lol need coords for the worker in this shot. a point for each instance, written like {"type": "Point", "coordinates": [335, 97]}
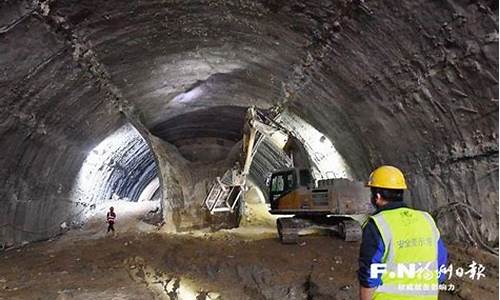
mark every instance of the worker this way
{"type": "Point", "coordinates": [110, 219]}
{"type": "Point", "coordinates": [401, 251]}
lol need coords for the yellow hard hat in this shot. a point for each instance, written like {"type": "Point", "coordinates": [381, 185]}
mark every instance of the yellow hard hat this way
{"type": "Point", "coordinates": [387, 177]}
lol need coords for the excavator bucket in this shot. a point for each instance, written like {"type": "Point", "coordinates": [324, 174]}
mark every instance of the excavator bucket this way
{"type": "Point", "coordinates": [224, 194]}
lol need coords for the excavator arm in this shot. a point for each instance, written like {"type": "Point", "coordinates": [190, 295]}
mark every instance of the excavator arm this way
{"type": "Point", "coordinates": [227, 190]}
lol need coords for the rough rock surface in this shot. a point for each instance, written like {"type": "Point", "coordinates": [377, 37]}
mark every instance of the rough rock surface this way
{"type": "Point", "coordinates": [225, 266]}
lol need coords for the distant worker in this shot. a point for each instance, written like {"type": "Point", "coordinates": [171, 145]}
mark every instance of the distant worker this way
{"type": "Point", "coordinates": [110, 219]}
{"type": "Point", "coordinates": [401, 250]}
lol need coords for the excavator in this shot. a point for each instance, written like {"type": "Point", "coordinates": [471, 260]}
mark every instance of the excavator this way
{"type": "Point", "coordinates": [335, 204]}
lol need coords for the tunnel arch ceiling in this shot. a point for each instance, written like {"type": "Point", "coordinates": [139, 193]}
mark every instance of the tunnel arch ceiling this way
{"type": "Point", "coordinates": [411, 83]}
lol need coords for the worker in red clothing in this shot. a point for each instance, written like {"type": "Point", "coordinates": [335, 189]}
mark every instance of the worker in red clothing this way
{"type": "Point", "coordinates": [110, 219]}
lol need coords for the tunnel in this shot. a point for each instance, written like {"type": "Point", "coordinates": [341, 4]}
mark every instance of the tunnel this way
{"type": "Point", "coordinates": [103, 99]}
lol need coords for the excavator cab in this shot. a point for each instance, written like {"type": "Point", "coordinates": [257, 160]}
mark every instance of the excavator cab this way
{"type": "Point", "coordinates": [286, 181]}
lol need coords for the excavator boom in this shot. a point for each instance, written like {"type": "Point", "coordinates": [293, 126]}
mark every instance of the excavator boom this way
{"type": "Point", "coordinates": [228, 190]}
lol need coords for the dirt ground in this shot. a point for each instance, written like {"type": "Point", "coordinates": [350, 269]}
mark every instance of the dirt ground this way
{"type": "Point", "coordinates": [140, 262]}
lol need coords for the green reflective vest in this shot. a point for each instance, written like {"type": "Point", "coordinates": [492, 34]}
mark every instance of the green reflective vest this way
{"type": "Point", "coordinates": [411, 268]}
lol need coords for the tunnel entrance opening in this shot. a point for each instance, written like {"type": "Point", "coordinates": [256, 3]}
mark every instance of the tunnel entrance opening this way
{"type": "Point", "coordinates": [121, 172]}
{"type": "Point", "coordinates": [307, 148]}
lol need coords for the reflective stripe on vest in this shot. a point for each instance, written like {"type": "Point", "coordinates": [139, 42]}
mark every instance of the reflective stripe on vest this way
{"type": "Point", "coordinates": [410, 238]}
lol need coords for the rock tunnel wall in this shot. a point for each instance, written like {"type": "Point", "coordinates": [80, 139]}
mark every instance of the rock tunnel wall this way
{"type": "Point", "coordinates": [52, 114]}
{"type": "Point", "coordinates": [409, 83]}
{"type": "Point", "coordinates": [423, 97]}
{"type": "Point", "coordinates": [268, 158]}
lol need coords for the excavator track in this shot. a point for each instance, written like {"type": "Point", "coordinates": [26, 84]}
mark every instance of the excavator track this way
{"type": "Point", "coordinates": [288, 230]}
{"type": "Point", "coordinates": [350, 230]}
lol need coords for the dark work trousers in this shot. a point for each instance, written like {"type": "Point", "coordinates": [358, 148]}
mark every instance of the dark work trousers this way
{"type": "Point", "coordinates": [110, 226]}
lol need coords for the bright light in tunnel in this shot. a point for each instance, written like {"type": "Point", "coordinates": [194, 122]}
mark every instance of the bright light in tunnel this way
{"type": "Point", "coordinates": [189, 96]}
{"type": "Point", "coordinates": [99, 158]}
{"type": "Point", "coordinates": [327, 161]}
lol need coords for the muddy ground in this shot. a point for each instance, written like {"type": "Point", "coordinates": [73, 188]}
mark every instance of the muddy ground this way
{"type": "Point", "coordinates": [140, 262]}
